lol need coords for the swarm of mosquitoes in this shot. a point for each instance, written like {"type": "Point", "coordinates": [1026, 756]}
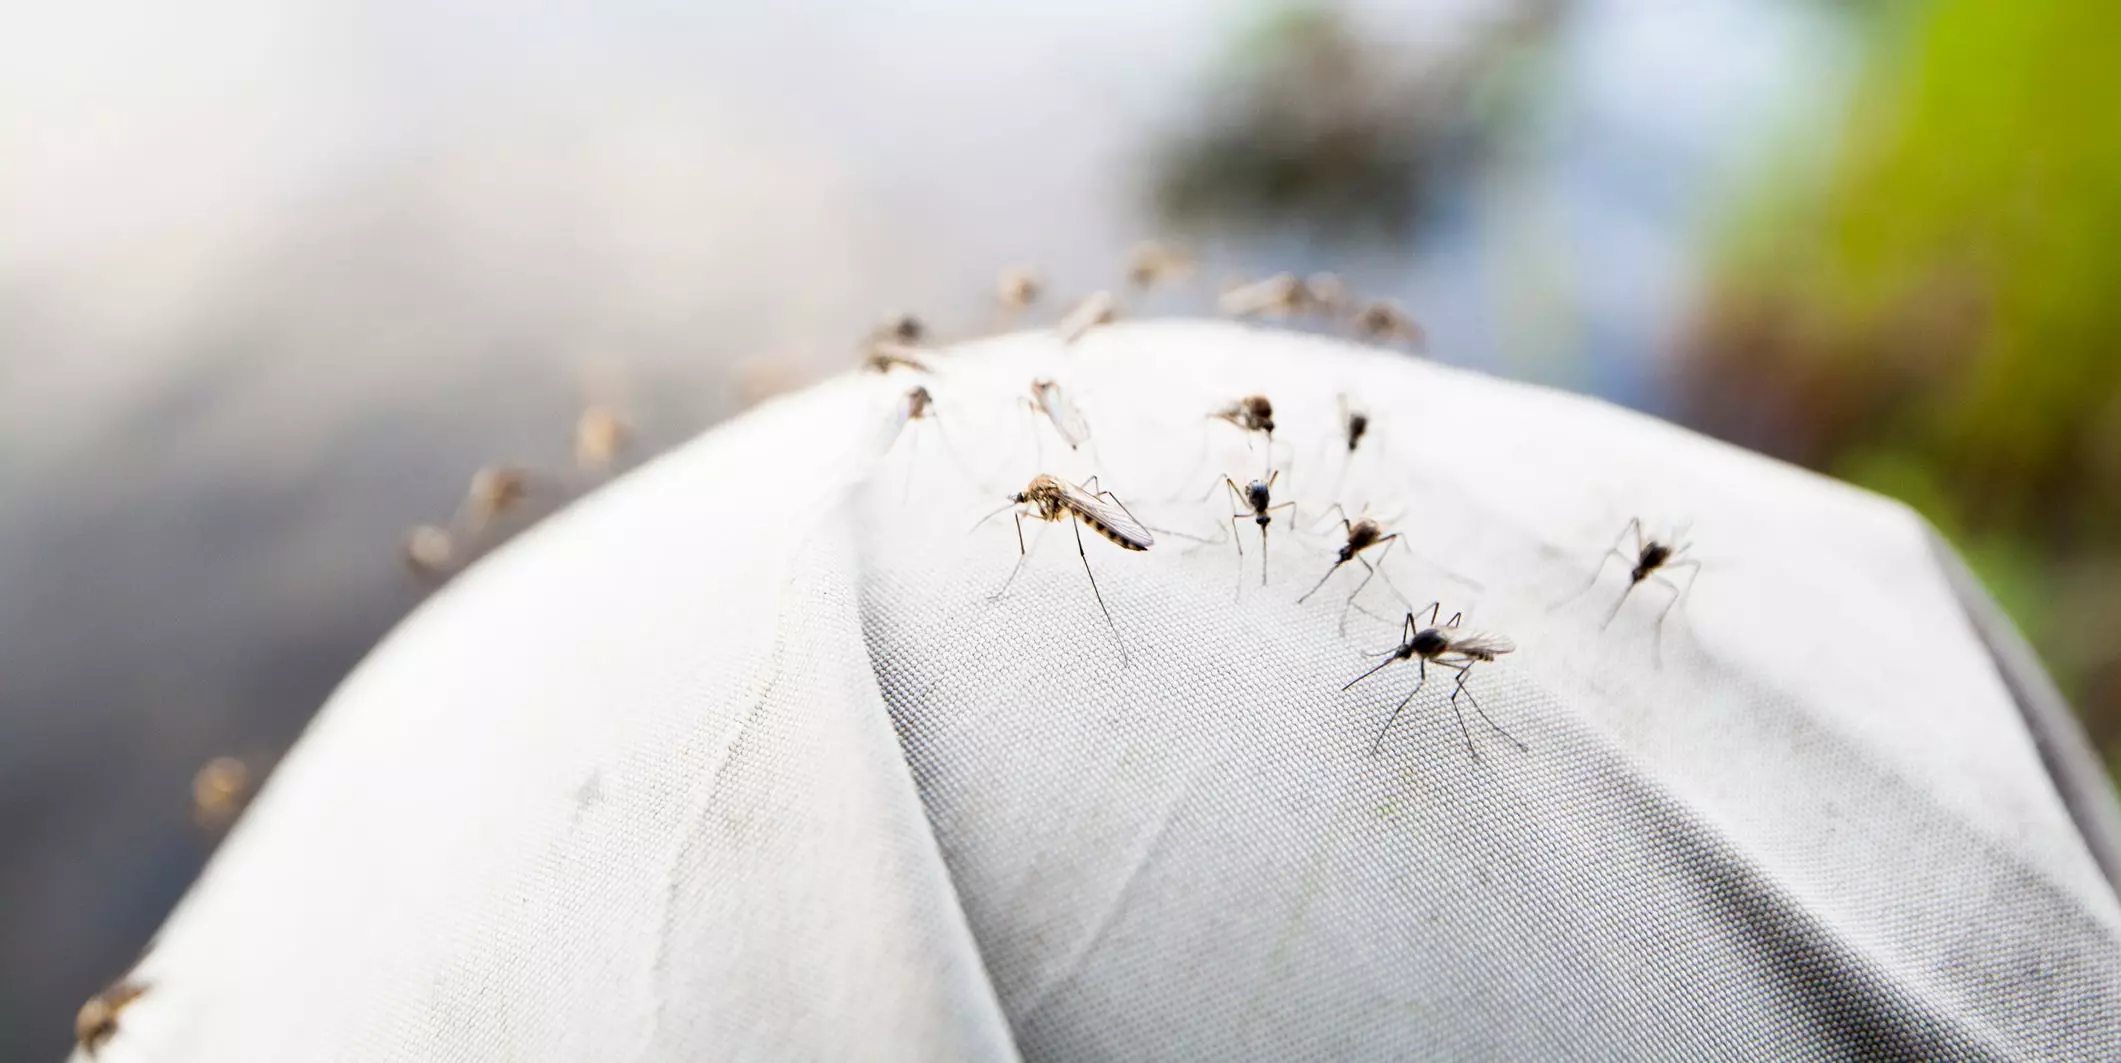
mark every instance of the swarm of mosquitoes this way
{"type": "Point", "coordinates": [1365, 540]}
{"type": "Point", "coordinates": [898, 344]}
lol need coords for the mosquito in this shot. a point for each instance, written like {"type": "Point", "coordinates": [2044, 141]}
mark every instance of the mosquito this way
{"type": "Point", "coordinates": [903, 328]}
{"type": "Point", "coordinates": [884, 356]}
{"type": "Point", "coordinates": [599, 435]}
{"type": "Point", "coordinates": [97, 1021]}
{"type": "Point", "coordinates": [1096, 309]}
{"type": "Point", "coordinates": [1653, 558]}
{"type": "Point", "coordinates": [1049, 498]}
{"type": "Point", "coordinates": [1385, 321]}
{"type": "Point", "coordinates": [1256, 500]}
{"type": "Point", "coordinates": [1253, 413]}
{"type": "Point", "coordinates": [1017, 288]}
{"type": "Point", "coordinates": [1362, 535]}
{"type": "Point", "coordinates": [1324, 294]}
{"type": "Point", "coordinates": [1048, 398]}
{"type": "Point", "coordinates": [1150, 263]}
{"type": "Point", "coordinates": [917, 405]}
{"type": "Point", "coordinates": [428, 550]}
{"type": "Point", "coordinates": [1448, 646]}
{"type": "Point", "coordinates": [1278, 296]}
{"type": "Point", "coordinates": [218, 791]}
{"type": "Point", "coordinates": [1354, 424]}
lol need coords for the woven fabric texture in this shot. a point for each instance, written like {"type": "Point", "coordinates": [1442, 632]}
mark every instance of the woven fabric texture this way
{"type": "Point", "coordinates": [738, 759]}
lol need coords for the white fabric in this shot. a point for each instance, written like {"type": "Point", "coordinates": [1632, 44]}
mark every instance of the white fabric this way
{"type": "Point", "coordinates": [737, 760]}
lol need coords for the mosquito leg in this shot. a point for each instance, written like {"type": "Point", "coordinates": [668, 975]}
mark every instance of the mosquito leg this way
{"type": "Point", "coordinates": [1678, 594]}
{"type": "Point", "coordinates": [1693, 570]}
{"type": "Point", "coordinates": [1262, 555]}
{"type": "Point", "coordinates": [1403, 702]}
{"type": "Point", "coordinates": [1022, 554]}
{"type": "Point", "coordinates": [1389, 542]}
{"type": "Point", "coordinates": [1634, 526]}
{"type": "Point", "coordinates": [906, 492]}
{"type": "Point", "coordinates": [1489, 720]}
{"type": "Point", "coordinates": [1344, 521]}
{"type": "Point", "coordinates": [1609, 617]}
{"type": "Point", "coordinates": [1461, 716]}
{"type": "Point", "coordinates": [1077, 524]}
{"type": "Point", "coordinates": [1114, 499]}
{"type": "Point", "coordinates": [1374, 572]}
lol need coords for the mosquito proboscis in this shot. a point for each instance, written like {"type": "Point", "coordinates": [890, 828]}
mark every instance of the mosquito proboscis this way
{"type": "Point", "coordinates": [1052, 499]}
{"type": "Point", "coordinates": [1448, 646]}
{"type": "Point", "coordinates": [1653, 558]}
{"type": "Point", "coordinates": [1256, 500]}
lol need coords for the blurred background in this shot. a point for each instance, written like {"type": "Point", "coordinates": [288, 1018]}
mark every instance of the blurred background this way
{"type": "Point", "coordinates": [277, 278]}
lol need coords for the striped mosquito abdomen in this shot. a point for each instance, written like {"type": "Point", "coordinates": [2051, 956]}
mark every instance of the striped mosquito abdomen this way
{"type": "Point", "coordinates": [1052, 500]}
{"type": "Point", "coordinates": [1106, 530]}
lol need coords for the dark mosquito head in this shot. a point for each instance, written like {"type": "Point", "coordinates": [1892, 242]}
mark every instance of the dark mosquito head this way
{"type": "Point", "coordinates": [1428, 642]}
{"type": "Point", "coordinates": [1358, 423]}
{"type": "Point", "coordinates": [1653, 557]}
{"type": "Point", "coordinates": [905, 328]}
{"type": "Point", "coordinates": [1019, 498]}
{"type": "Point", "coordinates": [1259, 413]}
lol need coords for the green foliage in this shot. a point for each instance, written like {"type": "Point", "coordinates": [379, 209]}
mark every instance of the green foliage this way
{"type": "Point", "coordinates": [1937, 318]}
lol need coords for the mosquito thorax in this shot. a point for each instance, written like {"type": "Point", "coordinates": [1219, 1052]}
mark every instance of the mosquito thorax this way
{"type": "Point", "coordinates": [1653, 556]}
{"type": "Point", "coordinates": [1428, 642]}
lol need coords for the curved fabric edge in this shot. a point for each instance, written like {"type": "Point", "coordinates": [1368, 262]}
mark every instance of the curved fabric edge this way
{"type": "Point", "coordinates": [2074, 767]}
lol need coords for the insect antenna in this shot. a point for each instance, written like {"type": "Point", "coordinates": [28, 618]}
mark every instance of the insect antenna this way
{"type": "Point", "coordinates": [1006, 507]}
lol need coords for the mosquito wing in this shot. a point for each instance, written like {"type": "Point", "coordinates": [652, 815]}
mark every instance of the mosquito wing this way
{"type": "Point", "coordinates": [1067, 420]}
{"type": "Point", "coordinates": [1108, 517]}
{"type": "Point", "coordinates": [1478, 644]}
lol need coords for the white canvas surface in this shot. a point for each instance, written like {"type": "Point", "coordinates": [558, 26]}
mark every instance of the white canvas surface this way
{"type": "Point", "coordinates": [737, 759]}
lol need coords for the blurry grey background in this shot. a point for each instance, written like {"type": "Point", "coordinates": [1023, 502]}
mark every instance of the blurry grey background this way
{"type": "Point", "coordinates": [275, 278]}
